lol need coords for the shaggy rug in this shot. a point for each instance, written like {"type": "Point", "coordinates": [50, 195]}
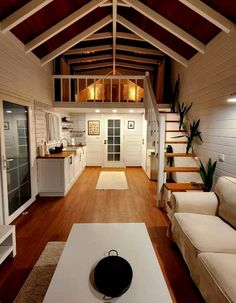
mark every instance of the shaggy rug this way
{"type": "Point", "coordinates": [112, 180]}
{"type": "Point", "coordinates": [36, 285]}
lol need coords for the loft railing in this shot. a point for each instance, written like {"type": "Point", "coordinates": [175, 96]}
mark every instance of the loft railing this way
{"type": "Point", "coordinates": [87, 89]}
{"type": "Point", "coordinates": [156, 127]}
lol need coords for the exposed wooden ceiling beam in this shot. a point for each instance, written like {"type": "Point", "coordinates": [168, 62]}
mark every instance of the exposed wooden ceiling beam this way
{"type": "Point", "coordinates": [139, 50]}
{"type": "Point", "coordinates": [135, 66]}
{"type": "Point", "coordinates": [128, 71]}
{"type": "Point", "coordinates": [109, 3]}
{"type": "Point", "coordinates": [210, 14]}
{"type": "Point", "coordinates": [88, 50]}
{"type": "Point", "coordinates": [99, 36]}
{"type": "Point", "coordinates": [128, 36]}
{"type": "Point", "coordinates": [152, 40]}
{"type": "Point", "coordinates": [60, 26]}
{"type": "Point", "coordinates": [106, 64]}
{"type": "Point", "coordinates": [166, 24]}
{"type": "Point", "coordinates": [22, 14]}
{"type": "Point", "coordinates": [114, 16]}
{"type": "Point", "coordinates": [92, 66]}
{"type": "Point", "coordinates": [89, 31]}
{"type": "Point", "coordinates": [89, 59]}
{"type": "Point", "coordinates": [137, 59]}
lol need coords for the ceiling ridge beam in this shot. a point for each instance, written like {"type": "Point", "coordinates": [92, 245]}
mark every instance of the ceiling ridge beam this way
{"type": "Point", "coordinates": [89, 59]}
{"type": "Point", "coordinates": [98, 36]}
{"type": "Point", "coordinates": [22, 14]}
{"type": "Point", "coordinates": [114, 16]}
{"type": "Point", "coordinates": [150, 39]}
{"type": "Point", "coordinates": [80, 37]}
{"type": "Point", "coordinates": [210, 14]}
{"type": "Point", "coordinates": [87, 50]}
{"type": "Point", "coordinates": [137, 59]}
{"type": "Point", "coordinates": [167, 25]}
{"type": "Point", "coordinates": [119, 3]}
{"type": "Point", "coordinates": [139, 50]}
{"type": "Point", "coordinates": [60, 26]}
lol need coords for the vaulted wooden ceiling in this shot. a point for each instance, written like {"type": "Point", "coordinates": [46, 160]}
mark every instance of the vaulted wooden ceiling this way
{"type": "Point", "coordinates": [116, 34]}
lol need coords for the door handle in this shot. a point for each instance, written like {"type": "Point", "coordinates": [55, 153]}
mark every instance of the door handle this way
{"type": "Point", "coordinates": [4, 163]}
{"type": "Point", "coordinates": [105, 141]}
{"type": "Point", "coordinates": [10, 160]}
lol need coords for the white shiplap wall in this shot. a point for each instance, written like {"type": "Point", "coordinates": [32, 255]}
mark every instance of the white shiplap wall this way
{"type": "Point", "coordinates": [24, 81]}
{"type": "Point", "coordinates": [207, 82]}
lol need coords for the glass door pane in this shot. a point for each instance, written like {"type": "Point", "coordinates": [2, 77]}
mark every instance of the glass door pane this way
{"type": "Point", "coordinates": [113, 140]}
{"type": "Point", "coordinates": [17, 155]}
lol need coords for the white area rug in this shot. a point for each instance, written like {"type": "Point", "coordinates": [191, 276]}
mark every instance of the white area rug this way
{"type": "Point", "coordinates": [112, 180]}
{"type": "Point", "coordinates": [36, 285]}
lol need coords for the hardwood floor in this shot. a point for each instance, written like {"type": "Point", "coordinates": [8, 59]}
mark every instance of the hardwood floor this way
{"type": "Point", "coordinates": [50, 219]}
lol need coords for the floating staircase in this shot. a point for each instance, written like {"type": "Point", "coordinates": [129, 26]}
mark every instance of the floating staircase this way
{"type": "Point", "coordinates": [179, 155]}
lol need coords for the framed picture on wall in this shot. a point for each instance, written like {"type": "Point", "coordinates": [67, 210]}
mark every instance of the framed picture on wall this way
{"type": "Point", "coordinates": [6, 125]}
{"type": "Point", "coordinates": [131, 124]}
{"type": "Point", "coordinates": [93, 127]}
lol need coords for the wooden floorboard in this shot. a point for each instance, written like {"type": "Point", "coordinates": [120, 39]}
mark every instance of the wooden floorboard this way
{"type": "Point", "coordinates": [50, 219]}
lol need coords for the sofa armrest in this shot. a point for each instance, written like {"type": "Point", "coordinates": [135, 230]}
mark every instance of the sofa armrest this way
{"type": "Point", "coordinates": [204, 203]}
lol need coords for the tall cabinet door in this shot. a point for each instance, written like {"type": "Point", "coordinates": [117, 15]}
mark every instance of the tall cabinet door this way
{"type": "Point", "coordinates": [15, 159]}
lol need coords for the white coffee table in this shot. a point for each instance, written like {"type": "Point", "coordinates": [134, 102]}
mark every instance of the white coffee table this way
{"type": "Point", "coordinates": [89, 243]}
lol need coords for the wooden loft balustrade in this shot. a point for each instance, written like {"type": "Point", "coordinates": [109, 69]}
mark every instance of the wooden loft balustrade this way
{"type": "Point", "coordinates": [98, 89]}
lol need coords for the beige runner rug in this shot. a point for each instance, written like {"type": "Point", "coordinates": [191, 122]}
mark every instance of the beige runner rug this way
{"type": "Point", "coordinates": [36, 285]}
{"type": "Point", "coordinates": [112, 180]}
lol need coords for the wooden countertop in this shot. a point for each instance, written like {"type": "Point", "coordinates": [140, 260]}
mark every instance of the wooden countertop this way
{"type": "Point", "coordinates": [62, 155]}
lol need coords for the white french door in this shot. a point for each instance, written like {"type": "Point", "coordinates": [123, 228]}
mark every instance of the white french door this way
{"type": "Point", "coordinates": [113, 142]}
{"type": "Point", "coordinates": [15, 159]}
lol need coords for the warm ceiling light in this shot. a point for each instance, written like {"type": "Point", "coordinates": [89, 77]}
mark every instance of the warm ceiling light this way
{"type": "Point", "coordinates": [131, 111]}
{"type": "Point", "coordinates": [232, 98]}
{"type": "Point", "coordinates": [114, 111]}
{"type": "Point", "coordinates": [97, 110]}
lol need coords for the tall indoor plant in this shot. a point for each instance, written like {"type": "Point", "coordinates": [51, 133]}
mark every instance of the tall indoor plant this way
{"type": "Point", "coordinates": [207, 174]}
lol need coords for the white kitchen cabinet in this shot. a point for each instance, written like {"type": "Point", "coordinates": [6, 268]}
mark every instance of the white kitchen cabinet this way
{"type": "Point", "coordinates": [56, 175]}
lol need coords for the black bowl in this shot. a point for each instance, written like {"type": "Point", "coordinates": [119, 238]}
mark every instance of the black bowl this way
{"type": "Point", "coordinates": [113, 276]}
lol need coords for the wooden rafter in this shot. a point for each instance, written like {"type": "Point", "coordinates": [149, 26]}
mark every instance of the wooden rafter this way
{"type": "Point", "coordinates": [89, 59]}
{"type": "Point", "coordinates": [108, 35]}
{"type": "Point", "coordinates": [128, 36]}
{"type": "Point", "coordinates": [109, 3]}
{"type": "Point", "coordinates": [60, 26]}
{"type": "Point", "coordinates": [134, 66]}
{"type": "Point", "coordinates": [166, 24]}
{"type": "Point", "coordinates": [88, 50]}
{"type": "Point", "coordinates": [89, 31]}
{"type": "Point", "coordinates": [137, 59]}
{"type": "Point", "coordinates": [152, 40]}
{"type": "Point", "coordinates": [92, 66]}
{"type": "Point", "coordinates": [139, 50]}
{"type": "Point", "coordinates": [100, 36]}
{"type": "Point", "coordinates": [210, 14]}
{"type": "Point", "coordinates": [22, 14]}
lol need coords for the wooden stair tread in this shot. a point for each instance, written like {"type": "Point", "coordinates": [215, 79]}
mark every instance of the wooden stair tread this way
{"type": "Point", "coordinates": [172, 155]}
{"type": "Point", "coordinates": [176, 142]}
{"type": "Point", "coordinates": [183, 186]}
{"type": "Point", "coordinates": [181, 169]}
{"type": "Point", "coordinates": [172, 121]}
{"type": "Point", "coordinates": [175, 131]}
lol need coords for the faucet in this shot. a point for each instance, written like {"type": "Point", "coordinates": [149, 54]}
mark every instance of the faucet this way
{"type": "Point", "coordinates": [64, 139]}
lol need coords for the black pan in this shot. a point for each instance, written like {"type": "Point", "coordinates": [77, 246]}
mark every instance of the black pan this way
{"type": "Point", "coordinates": [113, 275]}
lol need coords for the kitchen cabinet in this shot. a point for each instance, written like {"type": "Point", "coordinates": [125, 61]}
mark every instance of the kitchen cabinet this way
{"type": "Point", "coordinates": [57, 173]}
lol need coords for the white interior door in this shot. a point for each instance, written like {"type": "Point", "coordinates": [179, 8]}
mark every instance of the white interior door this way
{"type": "Point", "coordinates": [15, 159]}
{"type": "Point", "coordinates": [113, 142]}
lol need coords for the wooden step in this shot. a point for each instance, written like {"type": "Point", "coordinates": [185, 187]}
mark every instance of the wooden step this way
{"type": "Point", "coordinates": [180, 169]}
{"type": "Point", "coordinates": [176, 131]}
{"type": "Point", "coordinates": [172, 155]}
{"type": "Point", "coordinates": [176, 142]}
{"type": "Point", "coordinates": [183, 186]}
{"type": "Point", "coordinates": [172, 121]}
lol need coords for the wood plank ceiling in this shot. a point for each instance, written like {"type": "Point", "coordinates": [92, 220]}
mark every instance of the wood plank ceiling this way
{"type": "Point", "coordinates": [116, 34]}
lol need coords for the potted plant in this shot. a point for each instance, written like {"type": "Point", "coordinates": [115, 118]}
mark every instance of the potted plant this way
{"type": "Point", "coordinates": [175, 95]}
{"type": "Point", "coordinates": [207, 174]}
{"type": "Point", "coordinates": [182, 111]}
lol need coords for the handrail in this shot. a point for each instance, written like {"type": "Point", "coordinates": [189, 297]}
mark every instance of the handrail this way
{"type": "Point", "coordinates": [151, 108]}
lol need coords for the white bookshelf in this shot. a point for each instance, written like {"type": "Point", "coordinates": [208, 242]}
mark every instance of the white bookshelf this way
{"type": "Point", "coordinates": [7, 242]}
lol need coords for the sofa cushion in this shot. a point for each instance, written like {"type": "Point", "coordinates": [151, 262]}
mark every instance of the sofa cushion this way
{"type": "Point", "coordinates": [217, 277]}
{"type": "Point", "coordinates": [207, 233]}
{"type": "Point", "coordinates": [226, 192]}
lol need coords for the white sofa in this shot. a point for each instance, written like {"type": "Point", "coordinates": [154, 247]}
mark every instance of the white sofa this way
{"type": "Point", "coordinates": [203, 225]}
